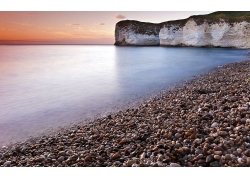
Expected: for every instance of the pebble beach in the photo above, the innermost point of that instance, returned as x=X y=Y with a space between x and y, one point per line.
x=202 y=122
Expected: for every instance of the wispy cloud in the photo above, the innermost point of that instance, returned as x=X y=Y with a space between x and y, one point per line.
x=3 y=29
x=63 y=33
x=119 y=16
x=27 y=14
x=49 y=28
x=23 y=24
x=101 y=24
x=78 y=28
x=73 y=24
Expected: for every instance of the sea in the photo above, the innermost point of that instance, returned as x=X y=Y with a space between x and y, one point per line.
x=44 y=88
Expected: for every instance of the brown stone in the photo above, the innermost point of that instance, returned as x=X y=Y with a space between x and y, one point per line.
x=115 y=156
x=222 y=133
x=217 y=157
x=228 y=157
x=218 y=152
x=218 y=148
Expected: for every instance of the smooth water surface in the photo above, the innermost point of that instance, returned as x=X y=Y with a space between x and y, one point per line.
x=44 y=87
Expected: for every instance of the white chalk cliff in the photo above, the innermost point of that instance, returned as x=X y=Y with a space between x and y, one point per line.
x=198 y=32
x=137 y=33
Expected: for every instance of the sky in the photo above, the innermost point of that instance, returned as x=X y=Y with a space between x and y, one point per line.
x=91 y=22
x=74 y=27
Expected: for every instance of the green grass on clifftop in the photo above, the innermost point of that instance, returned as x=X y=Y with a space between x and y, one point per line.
x=232 y=16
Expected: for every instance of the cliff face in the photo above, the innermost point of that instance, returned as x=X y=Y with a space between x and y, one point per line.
x=214 y=30
x=220 y=34
x=137 y=33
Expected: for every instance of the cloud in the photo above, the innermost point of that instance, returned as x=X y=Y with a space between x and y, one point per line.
x=23 y=24
x=63 y=33
x=27 y=14
x=73 y=24
x=101 y=24
x=119 y=16
x=3 y=29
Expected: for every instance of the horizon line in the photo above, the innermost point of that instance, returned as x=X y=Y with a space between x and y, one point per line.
x=52 y=44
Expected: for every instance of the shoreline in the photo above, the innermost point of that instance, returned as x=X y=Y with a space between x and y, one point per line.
x=201 y=122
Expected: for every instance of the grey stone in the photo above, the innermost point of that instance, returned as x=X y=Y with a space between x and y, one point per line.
x=175 y=165
x=215 y=164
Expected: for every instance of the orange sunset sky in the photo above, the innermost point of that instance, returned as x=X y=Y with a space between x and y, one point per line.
x=74 y=27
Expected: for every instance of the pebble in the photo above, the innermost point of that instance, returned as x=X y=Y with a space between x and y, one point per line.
x=198 y=151
x=240 y=160
x=239 y=150
x=218 y=148
x=218 y=152
x=60 y=159
x=175 y=165
x=7 y=163
x=115 y=156
x=143 y=155
x=215 y=124
x=243 y=108
x=87 y=158
x=177 y=135
x=135 y=165
x=247 y=152
x=222 y=133
x=62 y=153
x=215 y=164
x=40 y=159
x=130 y=163
x=217 y=157
x=248 y=161
x=228 y=157
x=209 y=159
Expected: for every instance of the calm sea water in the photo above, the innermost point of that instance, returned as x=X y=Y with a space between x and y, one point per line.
x=50 y=86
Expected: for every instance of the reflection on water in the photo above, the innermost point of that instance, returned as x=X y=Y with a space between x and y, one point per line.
x=43 y=87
